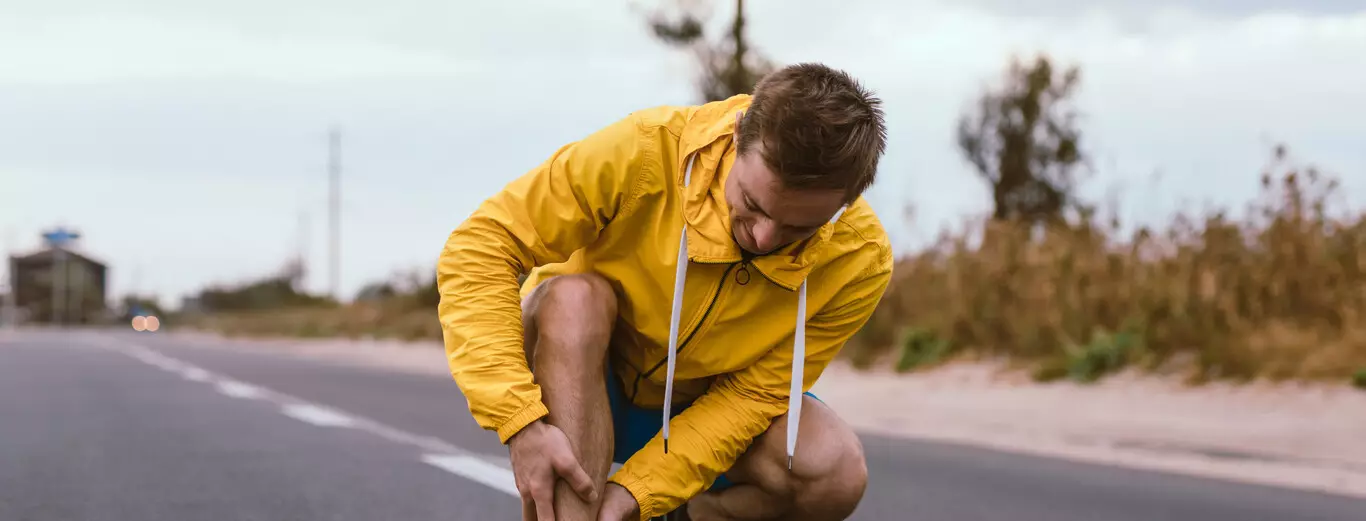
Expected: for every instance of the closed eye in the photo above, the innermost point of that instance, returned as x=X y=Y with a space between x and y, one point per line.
x=749 y=204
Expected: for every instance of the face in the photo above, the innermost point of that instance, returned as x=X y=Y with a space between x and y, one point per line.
x=765 y=215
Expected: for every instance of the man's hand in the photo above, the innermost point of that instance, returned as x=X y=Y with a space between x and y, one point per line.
x=540 y=453
x=618 y=505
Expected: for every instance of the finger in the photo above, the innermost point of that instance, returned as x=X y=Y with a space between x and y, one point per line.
x=573 y=473
x=524 y=492
x=544 y=495
x=528 y=509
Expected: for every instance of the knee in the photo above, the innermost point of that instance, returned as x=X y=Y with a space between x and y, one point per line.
x=840 y=491
x=831 y=480
x=575 y=310
x=578 y=295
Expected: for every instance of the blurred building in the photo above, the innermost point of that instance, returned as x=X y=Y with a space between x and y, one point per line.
x=57 y=285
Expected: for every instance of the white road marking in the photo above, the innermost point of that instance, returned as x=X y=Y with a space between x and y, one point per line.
x=195 y=374
x=237 y=389
x=426 y=443
x=484 y=470
x=475 y=469
x=316 y=415
x=158 y=361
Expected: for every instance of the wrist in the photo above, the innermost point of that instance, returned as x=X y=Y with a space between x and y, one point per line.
x=623 y=504
x=532 y=428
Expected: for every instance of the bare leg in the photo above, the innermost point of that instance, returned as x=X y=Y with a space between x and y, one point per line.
x=568 y=324
x=826 y=483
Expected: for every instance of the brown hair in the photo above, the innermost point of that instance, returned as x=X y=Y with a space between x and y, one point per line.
x=819 y=129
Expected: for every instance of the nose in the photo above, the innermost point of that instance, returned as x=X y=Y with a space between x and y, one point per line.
x=765 y=235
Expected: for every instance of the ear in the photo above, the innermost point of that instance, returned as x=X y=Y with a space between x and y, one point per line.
x=739 y=116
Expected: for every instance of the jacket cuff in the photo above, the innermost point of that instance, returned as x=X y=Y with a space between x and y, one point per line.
x=639 y=490
x=532 y=412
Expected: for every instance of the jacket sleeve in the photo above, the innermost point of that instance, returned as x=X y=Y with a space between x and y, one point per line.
x=540 y=218
x=711 y=434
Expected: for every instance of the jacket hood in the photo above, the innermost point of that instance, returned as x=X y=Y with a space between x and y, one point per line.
x=710 y=136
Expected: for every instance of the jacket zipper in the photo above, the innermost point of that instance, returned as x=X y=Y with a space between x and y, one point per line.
x=681 y=345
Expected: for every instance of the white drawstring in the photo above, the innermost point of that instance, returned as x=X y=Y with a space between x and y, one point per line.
x=680 y=276
x=794 y=398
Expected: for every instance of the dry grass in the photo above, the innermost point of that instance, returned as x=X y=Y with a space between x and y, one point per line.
x=362 y=320
x=1281 y=294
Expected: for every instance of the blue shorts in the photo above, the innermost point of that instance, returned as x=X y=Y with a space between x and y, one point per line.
x=633 y=426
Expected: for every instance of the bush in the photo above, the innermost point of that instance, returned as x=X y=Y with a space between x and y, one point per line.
x=920 y=348
x=270 y=293
x=1105 y=354
x=1359 y=379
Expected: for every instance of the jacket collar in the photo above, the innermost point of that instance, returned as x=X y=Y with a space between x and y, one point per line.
x=710 y=135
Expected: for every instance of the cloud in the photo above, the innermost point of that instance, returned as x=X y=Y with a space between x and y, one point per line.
x=130 y=48
x=90 y=40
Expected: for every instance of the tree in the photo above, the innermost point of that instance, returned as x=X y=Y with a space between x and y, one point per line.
x=730 y=66
x=1023 y=141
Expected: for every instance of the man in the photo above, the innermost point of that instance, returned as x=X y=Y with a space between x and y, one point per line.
x=730 y=235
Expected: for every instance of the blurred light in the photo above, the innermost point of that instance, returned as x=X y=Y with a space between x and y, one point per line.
x=139 y=323
x=153 y=323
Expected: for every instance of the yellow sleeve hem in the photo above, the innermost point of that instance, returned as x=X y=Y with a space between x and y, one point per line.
x=532 y=412
x=641 y=492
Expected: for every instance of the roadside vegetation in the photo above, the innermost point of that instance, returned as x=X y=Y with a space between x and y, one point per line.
x=1279 y=294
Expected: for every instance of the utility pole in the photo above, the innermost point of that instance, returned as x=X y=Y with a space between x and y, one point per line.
x=334 y=211
x=301 y=247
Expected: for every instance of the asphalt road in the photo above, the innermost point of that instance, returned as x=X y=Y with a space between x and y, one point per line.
x=92 y=429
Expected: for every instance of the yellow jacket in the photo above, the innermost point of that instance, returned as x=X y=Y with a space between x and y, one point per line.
x=614 y=204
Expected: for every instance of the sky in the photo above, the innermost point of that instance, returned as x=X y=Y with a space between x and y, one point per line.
x=187 y=140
